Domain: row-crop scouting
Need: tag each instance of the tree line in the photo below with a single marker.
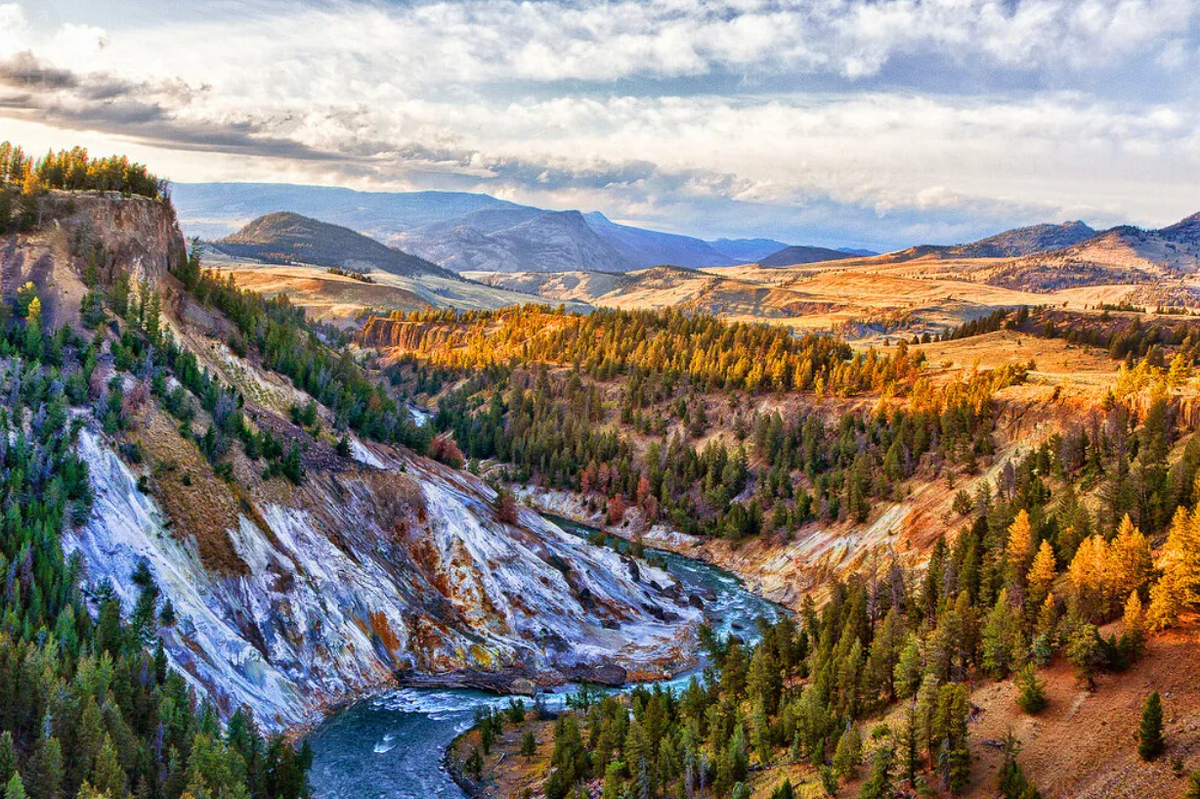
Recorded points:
(23, 178)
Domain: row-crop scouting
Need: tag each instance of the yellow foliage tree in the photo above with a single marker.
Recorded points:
(1130, 559)
(1180, 371)
(1041, 575)
(1090, 574)
(1019, 547)
(1179, 562)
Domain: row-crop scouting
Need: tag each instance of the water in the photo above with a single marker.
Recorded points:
(391, 746)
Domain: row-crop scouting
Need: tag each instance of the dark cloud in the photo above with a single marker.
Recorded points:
(146, 112)
(23, 70)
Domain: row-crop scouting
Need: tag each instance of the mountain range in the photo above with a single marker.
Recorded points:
(463, 231)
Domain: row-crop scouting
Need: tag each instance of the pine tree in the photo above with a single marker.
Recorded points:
(1013, 782)
(107, 776)
(848, 755)
(910, 750)
(1000, 637)
(950, 729)
(47, 769)
(1032, 696)
(1193, 786)
(15, 789)
(8, 758)
(783, 791)
(1045, 630)
(1150, 737)
(879, 783)
(528, 744)
(1085, 654)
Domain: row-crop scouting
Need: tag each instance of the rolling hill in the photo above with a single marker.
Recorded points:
(1025, 241)
(793, 256)
(1123, 254)
(283, 237)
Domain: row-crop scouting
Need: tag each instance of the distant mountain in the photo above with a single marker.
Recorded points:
(646, 248)
(545, 241)
(1123, 254)
(858, 253)
(212, 210)
(746, 251)
(284, 237)
(1025, 241)
(794, 256)
(463, 231)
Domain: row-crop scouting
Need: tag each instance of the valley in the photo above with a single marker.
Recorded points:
(309, 493)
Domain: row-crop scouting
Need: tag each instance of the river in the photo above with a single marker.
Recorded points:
(391, 746)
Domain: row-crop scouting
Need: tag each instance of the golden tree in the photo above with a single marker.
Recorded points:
(1180, 565)
(1041, 575)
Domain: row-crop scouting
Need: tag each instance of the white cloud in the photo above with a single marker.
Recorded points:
(485, 94)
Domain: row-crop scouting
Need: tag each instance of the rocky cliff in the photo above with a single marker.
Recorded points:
(374, 570)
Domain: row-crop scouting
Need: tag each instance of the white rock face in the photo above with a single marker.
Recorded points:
(333, 600)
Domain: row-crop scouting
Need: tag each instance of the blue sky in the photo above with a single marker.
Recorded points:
(876, 123)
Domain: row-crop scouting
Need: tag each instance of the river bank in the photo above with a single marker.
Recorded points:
(394, 744)
(778, 569)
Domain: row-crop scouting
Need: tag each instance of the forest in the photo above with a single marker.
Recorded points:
(535, 394)
(874, 684)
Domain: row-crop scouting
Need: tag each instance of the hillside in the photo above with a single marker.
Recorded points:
(1120, 255)
(285, 237)
(1080, 747)
(660, 287)
(1025, 241)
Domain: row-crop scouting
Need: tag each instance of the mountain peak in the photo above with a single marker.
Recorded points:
(1028, 240)
(291, 237)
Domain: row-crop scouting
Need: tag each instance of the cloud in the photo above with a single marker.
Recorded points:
(843, 112)
(24, 71)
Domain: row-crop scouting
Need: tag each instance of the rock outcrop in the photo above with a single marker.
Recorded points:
(371, 571)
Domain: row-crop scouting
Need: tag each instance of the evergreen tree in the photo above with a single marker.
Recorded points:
(1150, 733)
(1032, 691)
(879, 784)
(15, 789)
(8, 758)
(1013, 782)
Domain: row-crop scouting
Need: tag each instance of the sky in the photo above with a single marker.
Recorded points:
(867, 123)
